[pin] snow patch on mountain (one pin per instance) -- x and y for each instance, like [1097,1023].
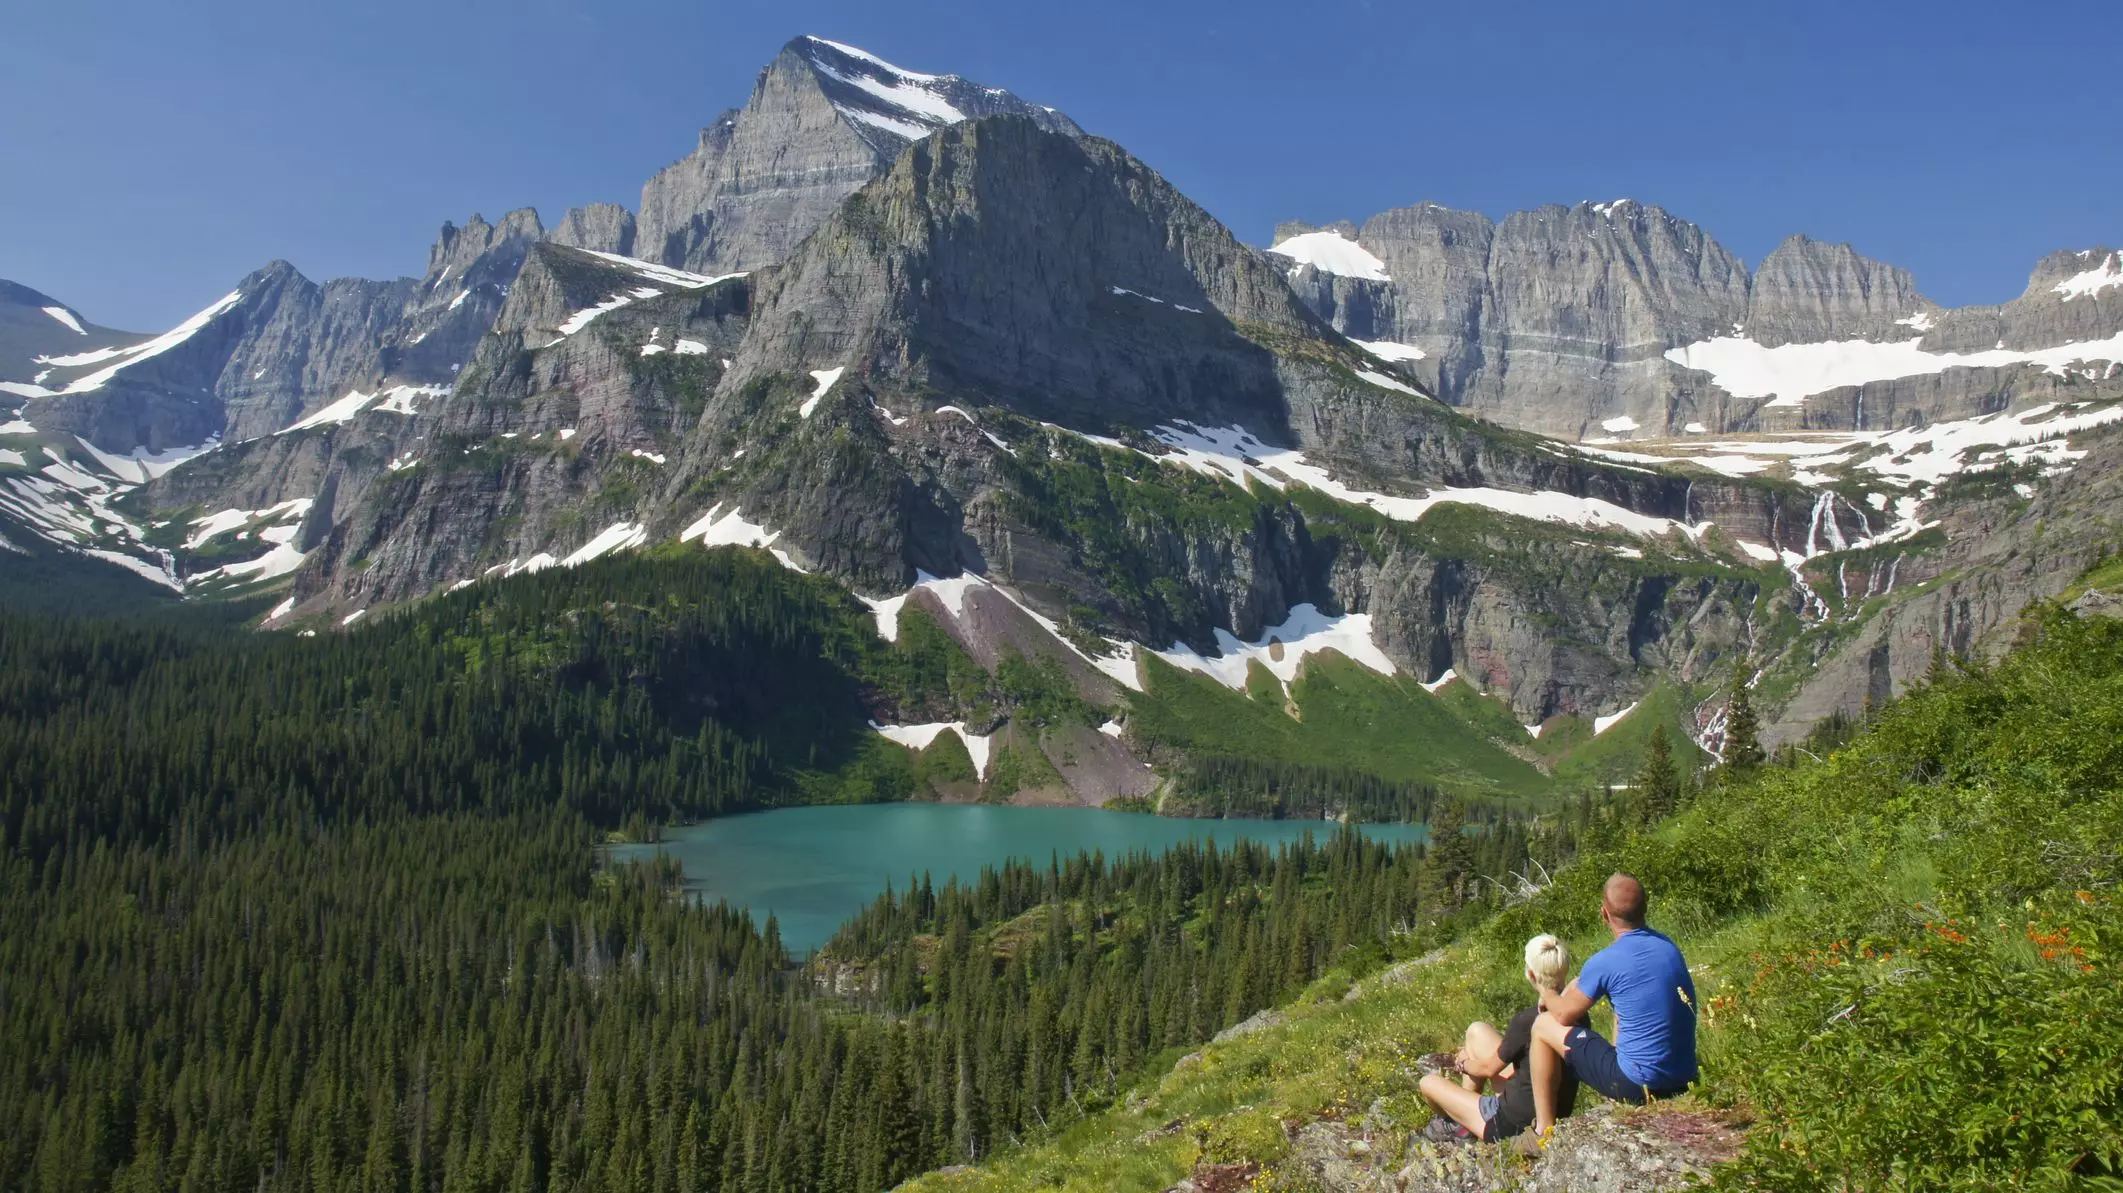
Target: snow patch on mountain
[206,529]
[921,737]
[718,529]
[1603,724]
[653,272]
[1282,648]
[398,399]
[582,318]
[906,103]
[1790,373]
[1385,382]
[1331,252]
[1388,350]
[141,465]
[67,317]
[2080,285]
[619,536]
[823,379]
[142,351]
[951,591]
[1237,455]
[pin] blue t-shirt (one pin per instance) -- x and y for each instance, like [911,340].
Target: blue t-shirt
[1643,975]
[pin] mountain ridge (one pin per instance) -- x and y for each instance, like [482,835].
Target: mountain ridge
[1563,320]
[1013,356]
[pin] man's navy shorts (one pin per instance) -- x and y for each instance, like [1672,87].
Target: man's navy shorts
[1594,1061]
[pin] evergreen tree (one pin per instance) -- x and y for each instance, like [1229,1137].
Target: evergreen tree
[1448,867]
[1658,784]
[1742,755]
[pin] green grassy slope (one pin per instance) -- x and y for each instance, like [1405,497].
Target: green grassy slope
[1904,953]
[1341,714]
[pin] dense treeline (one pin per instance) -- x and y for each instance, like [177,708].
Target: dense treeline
[322,913]
[715,685]
[1220,785]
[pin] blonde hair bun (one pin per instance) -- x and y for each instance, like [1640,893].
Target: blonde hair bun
[1548,960]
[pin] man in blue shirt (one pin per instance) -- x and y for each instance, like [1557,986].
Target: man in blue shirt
[1643,975]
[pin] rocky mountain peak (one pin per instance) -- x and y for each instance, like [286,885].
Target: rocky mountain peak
[457,247]
[1806,291]
[2067,276]
[823,119]
[891,105]
[952,269]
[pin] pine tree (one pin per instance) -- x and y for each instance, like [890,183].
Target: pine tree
[1448,867]
[1658,784]
[1742,754]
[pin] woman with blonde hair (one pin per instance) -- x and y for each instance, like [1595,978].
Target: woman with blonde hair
[1489,1058]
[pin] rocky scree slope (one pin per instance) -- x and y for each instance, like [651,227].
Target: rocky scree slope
[1620,319]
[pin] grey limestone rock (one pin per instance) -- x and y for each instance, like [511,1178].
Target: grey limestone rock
[822,121]
[599,227]
[1806,291]
[1559,320]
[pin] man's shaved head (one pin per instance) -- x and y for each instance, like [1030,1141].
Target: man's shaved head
[1625,899]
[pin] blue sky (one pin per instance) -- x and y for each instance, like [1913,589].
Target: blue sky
[157,152]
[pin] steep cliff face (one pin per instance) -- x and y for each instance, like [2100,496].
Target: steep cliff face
[1806,291]
[1958,594]
[599,227]
[1618,320]
[823,120]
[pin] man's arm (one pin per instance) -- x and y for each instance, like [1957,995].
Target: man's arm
[1569,1007]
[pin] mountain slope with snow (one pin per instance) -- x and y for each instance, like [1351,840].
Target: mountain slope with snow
[1574,322]
[34,325]
[890,326]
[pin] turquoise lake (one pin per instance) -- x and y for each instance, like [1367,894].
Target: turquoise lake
[812,868]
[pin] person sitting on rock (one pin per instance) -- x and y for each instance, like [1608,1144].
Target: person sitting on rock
[1644,976]
[1489,1056]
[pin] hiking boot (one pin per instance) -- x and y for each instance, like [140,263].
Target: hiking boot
[1446,1133]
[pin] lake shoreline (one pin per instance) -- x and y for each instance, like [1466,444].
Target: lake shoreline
[814,867]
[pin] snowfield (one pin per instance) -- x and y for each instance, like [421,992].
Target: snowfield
[1791,373]
[2080,285]
[920,737]
[1331,252]
[1282,648]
